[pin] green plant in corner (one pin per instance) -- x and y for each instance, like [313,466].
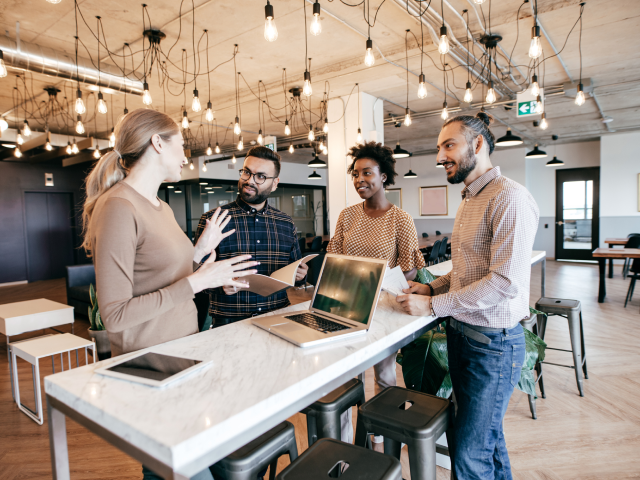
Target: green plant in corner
[94,313]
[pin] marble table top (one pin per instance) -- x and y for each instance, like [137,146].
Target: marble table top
[257,380]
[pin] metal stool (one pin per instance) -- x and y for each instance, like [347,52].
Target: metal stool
[246,462]
[406,416]
[332,458]
[323,416]
[569,309]
[531,324]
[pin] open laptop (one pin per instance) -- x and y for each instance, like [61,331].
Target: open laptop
[343,304]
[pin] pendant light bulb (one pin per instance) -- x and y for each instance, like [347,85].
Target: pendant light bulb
[270,30]
[369,59]
[74,148]
[79,107]
[291,149]
[443,46]
[47,146]
[312,135]
[580,96]
[102,105]
[68,149]
[260,139]
[185,120]
[146,96]
[422,87]
[287,129]
[217,148]
[17,152]
[535,49]
[316,27]
[26,129]
[191,167]
[543,122]
[236,127]
[112,139]
[445,111]
[359,137]
[209,113]
[468,94]
[3,67]
[204,167]
[491,94]
[195,103]
[96,153]
[539,105]
[535,88]
[79,126]
[19,139]
[240,144]
[233,158]
[306,88]
[209,150]
[325,127]
[407,118]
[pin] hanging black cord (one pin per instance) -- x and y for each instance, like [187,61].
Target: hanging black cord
[306,52]
[208,73]
[580,40]
[406,55]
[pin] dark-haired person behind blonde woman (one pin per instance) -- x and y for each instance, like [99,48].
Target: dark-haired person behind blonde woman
[379,229]
[144,262]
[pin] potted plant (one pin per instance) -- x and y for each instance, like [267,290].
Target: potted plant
[97,332]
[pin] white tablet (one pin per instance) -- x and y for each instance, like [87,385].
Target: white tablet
[153,369]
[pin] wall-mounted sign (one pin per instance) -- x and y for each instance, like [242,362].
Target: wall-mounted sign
[270,143]
[528,104]
[48,179]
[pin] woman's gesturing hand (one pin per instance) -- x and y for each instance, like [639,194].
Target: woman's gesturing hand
[214,274]
[212,234]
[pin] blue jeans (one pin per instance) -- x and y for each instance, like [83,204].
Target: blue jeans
[483,378]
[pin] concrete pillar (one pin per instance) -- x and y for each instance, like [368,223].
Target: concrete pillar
[344,120]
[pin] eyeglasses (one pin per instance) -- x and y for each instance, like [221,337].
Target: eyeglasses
[259,178]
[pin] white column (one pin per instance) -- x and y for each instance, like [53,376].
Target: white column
[344,120]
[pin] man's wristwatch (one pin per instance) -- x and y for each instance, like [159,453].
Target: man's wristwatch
[430,289]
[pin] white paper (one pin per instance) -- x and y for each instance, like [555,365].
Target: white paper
[394,281]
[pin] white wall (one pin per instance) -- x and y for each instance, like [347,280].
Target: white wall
[619,170]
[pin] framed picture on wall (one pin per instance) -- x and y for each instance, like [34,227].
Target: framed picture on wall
[394,195]
[434,201]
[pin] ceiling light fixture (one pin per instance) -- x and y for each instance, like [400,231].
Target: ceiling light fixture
[204,168]
[311,136]
[146,96]
[209,113]
[195,103]
[17,152]
[325,127]
[407,118]
[535,88]
[233,158]
[491,94]
[191,166]
[19,139]
[47,146]
[185,120]
[26,129]
[260,139]
[443,46]
[410,174]
[306,88]
[509,140]
[316,27]
[369,59]
[539,105]
[536,153]
[422,87]
[79,106]
[445,111]
[287,129]
[468,94]
[270,30]
[316,162]
[102,105]
[74,147]
[69,150]
[535,48]
[240,144]
[236,126]
[359,137]
[400,152]
[580,99]
[217,148]
[555,162]
[96,153]
[3,124]
[79,126]
[543,122]
[314,176]
[290,148]
[209,150]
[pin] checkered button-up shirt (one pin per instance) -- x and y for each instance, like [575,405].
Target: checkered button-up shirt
[269,235]
[491,254]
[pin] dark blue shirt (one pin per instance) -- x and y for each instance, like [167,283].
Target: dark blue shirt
[270,236]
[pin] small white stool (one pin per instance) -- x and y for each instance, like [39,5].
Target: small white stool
[48,346]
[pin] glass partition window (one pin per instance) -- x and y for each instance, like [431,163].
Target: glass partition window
[577,208]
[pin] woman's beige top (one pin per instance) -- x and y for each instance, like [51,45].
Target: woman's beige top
[142,259]
[392,237]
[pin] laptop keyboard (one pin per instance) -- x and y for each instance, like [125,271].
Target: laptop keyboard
[317,322]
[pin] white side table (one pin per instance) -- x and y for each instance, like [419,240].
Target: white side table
[22,317]
[48,346]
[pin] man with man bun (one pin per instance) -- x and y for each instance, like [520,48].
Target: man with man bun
[485,295]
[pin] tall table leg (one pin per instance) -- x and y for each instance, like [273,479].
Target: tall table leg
[611,263]
[543,275]
[58,443]
[602,289]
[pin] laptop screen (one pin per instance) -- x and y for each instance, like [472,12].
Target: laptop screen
[348,288]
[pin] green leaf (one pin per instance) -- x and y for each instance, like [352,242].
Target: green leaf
[534,353]
[424,276]
[92,295]
[99,324]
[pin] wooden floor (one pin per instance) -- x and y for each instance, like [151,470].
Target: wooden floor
[597,436]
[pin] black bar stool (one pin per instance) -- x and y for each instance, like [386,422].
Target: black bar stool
[531,324]
[323,416]
[406,416]
[246,462]
[569,309]
[332,458]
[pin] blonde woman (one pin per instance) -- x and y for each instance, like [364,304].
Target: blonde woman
[144,262]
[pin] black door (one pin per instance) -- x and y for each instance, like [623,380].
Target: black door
[49,220]
[577,213]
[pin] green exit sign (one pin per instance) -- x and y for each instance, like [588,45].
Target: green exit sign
[527,108]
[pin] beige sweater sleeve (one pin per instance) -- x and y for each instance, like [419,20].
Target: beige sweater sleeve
[116,243]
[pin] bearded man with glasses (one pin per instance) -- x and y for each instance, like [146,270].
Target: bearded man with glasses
[265,233]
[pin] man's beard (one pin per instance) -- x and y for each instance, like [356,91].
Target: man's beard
[254,199]
[464,167]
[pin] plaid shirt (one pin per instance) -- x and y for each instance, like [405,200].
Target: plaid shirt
[269,235]
[491,248]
